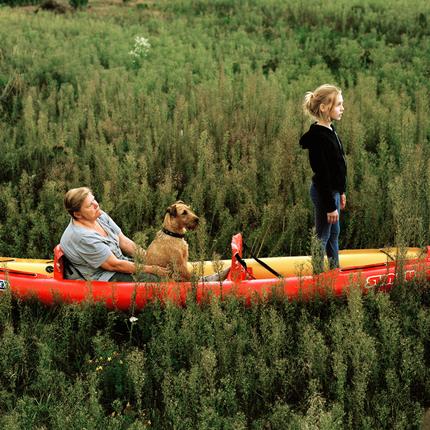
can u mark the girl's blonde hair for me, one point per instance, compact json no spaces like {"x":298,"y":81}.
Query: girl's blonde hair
{"x":74,"y":198}
{"x":325,"y":94}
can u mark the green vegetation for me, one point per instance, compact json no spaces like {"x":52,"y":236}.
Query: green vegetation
{"x":358,"y":363}
{"x":78,"y":3}
{"x":210,"y":113}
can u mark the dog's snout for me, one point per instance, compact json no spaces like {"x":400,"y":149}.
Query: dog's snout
{"x":194,"y":222}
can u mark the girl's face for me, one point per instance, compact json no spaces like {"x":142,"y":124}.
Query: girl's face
{"x":337,"y":109}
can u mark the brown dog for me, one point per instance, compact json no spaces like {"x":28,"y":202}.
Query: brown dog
{"x":169,"y":248}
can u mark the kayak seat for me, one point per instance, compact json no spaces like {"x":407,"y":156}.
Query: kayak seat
{"x":63,"y":268}
{"x":70,"y":271}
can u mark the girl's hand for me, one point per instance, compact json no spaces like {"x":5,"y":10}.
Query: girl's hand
{"x":342,"y":201}
{"x":333,"y":217}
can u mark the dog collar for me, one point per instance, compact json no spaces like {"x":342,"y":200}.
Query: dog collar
{"x":171,"y":233}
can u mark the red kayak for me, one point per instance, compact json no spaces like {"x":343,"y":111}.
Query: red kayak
{"x":241,"y":282}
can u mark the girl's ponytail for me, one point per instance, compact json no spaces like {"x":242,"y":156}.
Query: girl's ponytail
{"x":307,"y":102}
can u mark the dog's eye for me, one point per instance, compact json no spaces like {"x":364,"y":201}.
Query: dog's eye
{"x":184,"y":213}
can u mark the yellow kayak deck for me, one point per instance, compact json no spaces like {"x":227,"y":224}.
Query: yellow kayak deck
{"x":285,"y":266}
{"x":44,"y":267}
{"x":302,"y":265}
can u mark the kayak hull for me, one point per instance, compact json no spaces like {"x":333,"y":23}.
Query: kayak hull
{"x":285,"y":266}
{"x":126,"y":296}
{"x":367,"y":270}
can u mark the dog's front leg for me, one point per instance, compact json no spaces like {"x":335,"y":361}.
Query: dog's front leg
{"x":180,"y":268}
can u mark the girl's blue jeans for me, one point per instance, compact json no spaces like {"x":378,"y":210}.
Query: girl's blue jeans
{"x":327,"y":233}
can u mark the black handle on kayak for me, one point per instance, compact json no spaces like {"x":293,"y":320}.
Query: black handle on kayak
{"x":266,"y":266}
{"x":243,"y":264}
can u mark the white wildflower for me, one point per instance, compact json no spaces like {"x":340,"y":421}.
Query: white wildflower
{"x":141,"y":48}
{"x":133,"y":319}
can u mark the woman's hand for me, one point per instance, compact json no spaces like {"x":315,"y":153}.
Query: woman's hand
{"x":157,"y":270}
{"x":333,"y":217}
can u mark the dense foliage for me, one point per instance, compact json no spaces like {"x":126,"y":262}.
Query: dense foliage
{"x":19,"y":2}
{"x":200,"y":100}
{"x":358,"y":363}
{"x":211,"y":113}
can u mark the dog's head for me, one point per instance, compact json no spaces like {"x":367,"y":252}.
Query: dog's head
{"x":180,"y":216}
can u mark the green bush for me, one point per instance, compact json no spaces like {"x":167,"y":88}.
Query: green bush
{"x":211,"y":115}
{"x":78,"y":4}
{"x":14,"y":3}
{"x":358,"y":362}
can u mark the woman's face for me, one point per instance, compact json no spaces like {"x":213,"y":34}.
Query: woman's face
{"x":90,"y":209}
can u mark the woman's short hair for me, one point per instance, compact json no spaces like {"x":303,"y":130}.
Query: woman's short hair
{"x":74,"y":198}
{"x":325,"y":94}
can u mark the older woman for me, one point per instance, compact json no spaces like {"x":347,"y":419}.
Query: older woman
{"x":96,"y":246}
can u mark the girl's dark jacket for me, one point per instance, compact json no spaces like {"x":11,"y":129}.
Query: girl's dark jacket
{"x":328,"y":163}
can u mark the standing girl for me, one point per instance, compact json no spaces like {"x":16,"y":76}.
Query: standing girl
{"x":327,"y":160}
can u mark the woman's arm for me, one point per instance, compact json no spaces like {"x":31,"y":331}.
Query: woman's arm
{"x":113,"y":264}
{"x":127,"y":246}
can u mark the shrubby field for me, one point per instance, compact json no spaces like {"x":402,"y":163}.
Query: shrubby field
{"x":150,"y":102}
{"x":211,"y":113}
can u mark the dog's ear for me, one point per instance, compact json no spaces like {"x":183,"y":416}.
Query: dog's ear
{"x":172,"y":210}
